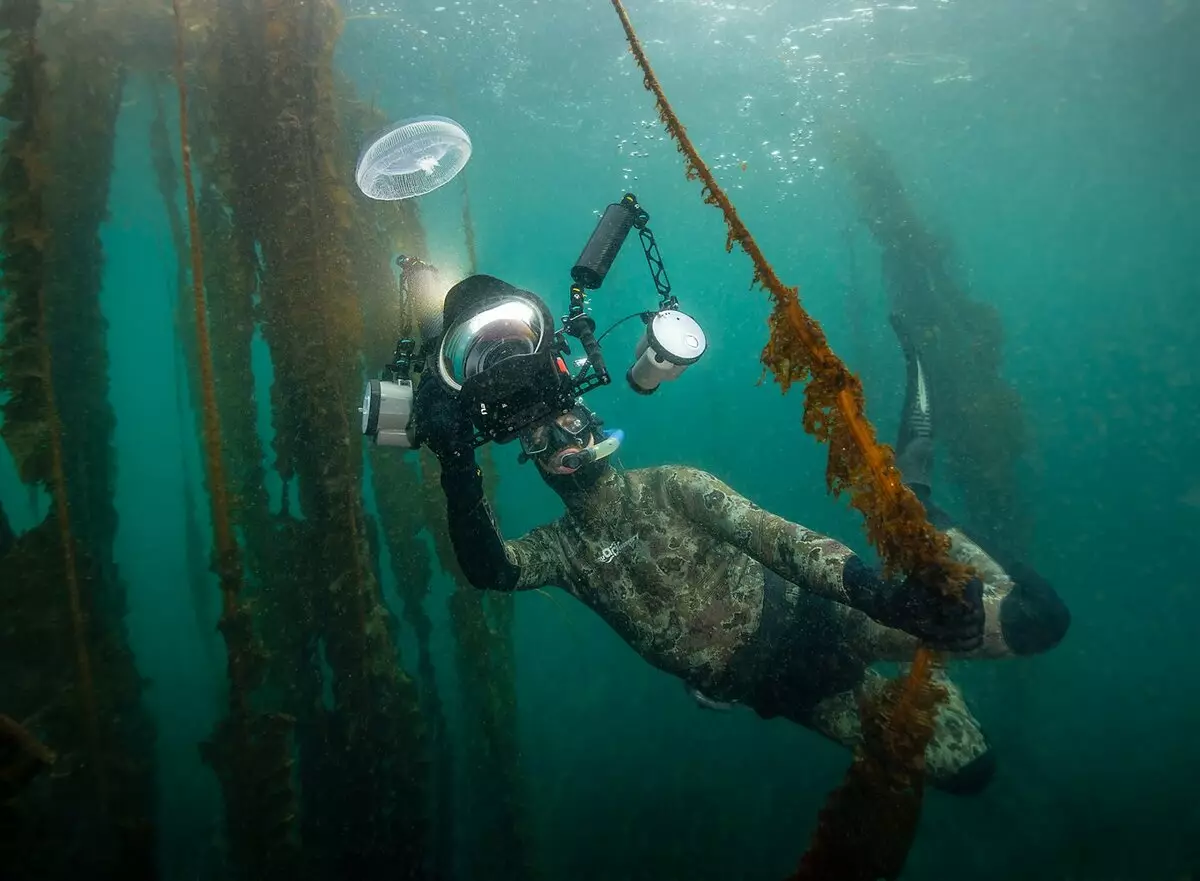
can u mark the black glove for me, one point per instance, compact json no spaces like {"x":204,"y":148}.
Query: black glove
{"x":443,"y":424}
{"x":944,"y":623}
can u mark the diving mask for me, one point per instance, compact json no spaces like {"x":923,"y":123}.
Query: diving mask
{"x":568,"y":442}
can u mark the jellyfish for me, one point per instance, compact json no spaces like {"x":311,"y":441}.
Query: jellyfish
{"x":412,"y":158}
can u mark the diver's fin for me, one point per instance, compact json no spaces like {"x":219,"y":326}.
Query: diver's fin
{"x":914,"y":443}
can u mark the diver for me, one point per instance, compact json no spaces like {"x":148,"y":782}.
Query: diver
{"x":743,"y":606}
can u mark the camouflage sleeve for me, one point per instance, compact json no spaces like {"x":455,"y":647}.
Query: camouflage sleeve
{"x":538,"y":557}
{"x":805,"y":558}
{"x":488,"y":561}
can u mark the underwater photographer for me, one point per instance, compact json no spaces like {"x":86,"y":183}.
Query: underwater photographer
{"x":743,"y":606}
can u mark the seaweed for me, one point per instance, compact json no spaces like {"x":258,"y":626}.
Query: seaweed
{"x":65,"y":657}
{"x":272,"y":113}
{"x":880,"y":798}
{"x":251,"y":751}
{"x":22,"y":758}
{"x":7,"y":536}
{"x":834,"y":410}
{"x":379,"y":231}
{"x":960,"y":339}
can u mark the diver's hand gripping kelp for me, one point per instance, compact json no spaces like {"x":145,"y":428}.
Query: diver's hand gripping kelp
{"x":827,"y":568}
{"x":868,"y":824}
{"x":945,"y":623}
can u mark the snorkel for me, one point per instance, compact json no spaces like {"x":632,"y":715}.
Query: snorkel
{"x":569,"y":463}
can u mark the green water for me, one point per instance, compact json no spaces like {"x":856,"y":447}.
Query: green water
{"x":1055,"y":145}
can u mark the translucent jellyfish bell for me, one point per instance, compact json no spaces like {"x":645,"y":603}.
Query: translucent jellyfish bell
{"x":412,"y":158}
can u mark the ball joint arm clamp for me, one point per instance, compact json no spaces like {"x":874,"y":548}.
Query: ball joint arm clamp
{"x":590,"y":271}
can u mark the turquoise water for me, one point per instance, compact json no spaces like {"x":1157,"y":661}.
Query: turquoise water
{"x":1053,"y":144}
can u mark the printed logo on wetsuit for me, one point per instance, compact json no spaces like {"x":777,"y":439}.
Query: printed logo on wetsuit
{"x":614,"y":550}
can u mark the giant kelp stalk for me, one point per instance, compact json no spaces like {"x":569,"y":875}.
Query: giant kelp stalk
{"x":834,"y":412}
{"x":272,"y":113}
{"x":65,"y":665}
{"x":86,"y":99}
{"x":879,"y":801}
{"x":382,"y":230}
{"x":251,"y":750}
{"x":8,"y":537}
{"x":485,"y":656}
{"x":960,"y":340}
{"x":487,"y":677}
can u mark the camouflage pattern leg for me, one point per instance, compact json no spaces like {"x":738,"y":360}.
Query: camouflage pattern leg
{"x":958,"y":759}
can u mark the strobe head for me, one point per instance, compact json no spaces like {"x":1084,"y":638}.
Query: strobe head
{"x":387,"y":413}
{"x":672,"y":342}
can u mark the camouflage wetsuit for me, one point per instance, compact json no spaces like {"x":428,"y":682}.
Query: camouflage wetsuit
{"x":740,"y":604}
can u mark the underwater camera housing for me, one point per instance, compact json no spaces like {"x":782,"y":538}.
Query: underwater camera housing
{"x":516,"y":392}
{"x":505,"y":363}
{"x":388,"y":401}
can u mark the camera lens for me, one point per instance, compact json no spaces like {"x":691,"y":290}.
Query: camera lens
{"x":489,"y":353}
{"x":480,"y":341}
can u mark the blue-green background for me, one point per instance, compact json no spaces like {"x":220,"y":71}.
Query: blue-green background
{"x":1053,"y":143}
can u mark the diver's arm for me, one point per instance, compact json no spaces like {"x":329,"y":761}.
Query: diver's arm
{"x":473,"y":533}
{"x":442,"y":424}
{"x":489,"y":562}
{"x":823,"y":566}
{"x":813,"y":561}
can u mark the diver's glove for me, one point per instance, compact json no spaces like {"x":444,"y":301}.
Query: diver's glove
{"x":443,"y":425}
{"x":945,"y":623}
{"x":916,"y":606}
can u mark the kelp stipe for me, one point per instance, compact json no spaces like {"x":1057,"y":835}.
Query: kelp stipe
{"x":880,"y":797}
{"x":250,"y":751}
{"x":64,"y":603}
{"x":960,"y":337}
{"x":32,"y":426}
{"x":280,"y":160}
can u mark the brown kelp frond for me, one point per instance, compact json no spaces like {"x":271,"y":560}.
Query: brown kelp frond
{"x":879,"y":799}
{"x":227,"y":562}
{"x":834,"y":412}
{"x":251,"y":750}
{"x":252,"y":756}
{"x":960,"y":339}
{"x":281,"y":170}
{"x":24,"y":174}
{"x":22,"y":758}
{"x":59,"y":583}
{"x":868,"y":824}
{"x":32,"y":426}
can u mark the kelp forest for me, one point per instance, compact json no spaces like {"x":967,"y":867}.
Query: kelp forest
{"x":960,"y":337}
{"x":335,"y":756}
